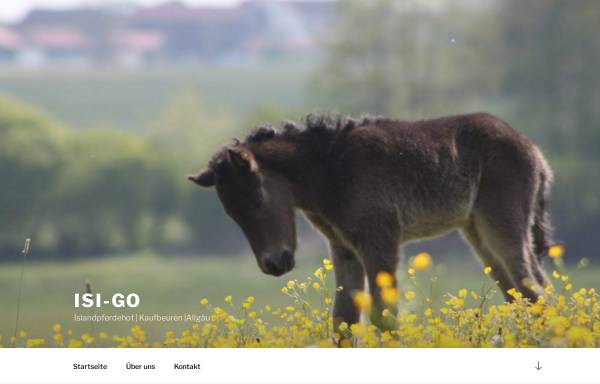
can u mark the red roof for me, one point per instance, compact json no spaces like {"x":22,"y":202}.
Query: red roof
{"x":138,"y":40}
{"x":58,"y":38}
{"x":9,"y":39}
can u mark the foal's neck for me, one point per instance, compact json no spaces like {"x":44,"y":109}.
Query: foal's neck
{"x":297,"y":165}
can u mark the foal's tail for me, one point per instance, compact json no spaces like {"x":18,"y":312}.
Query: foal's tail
{"x":542,"y":228}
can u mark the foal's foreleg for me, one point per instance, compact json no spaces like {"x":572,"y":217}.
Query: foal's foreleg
{"x":382,"y":260}
{"x":349,"y":278}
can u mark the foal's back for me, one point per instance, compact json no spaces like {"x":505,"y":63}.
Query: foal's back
{"x":430,"y":171}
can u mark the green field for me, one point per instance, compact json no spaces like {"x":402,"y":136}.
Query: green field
{"x":132,"y":99}
{"x":165,"y":286}
{"x":175,"y":285}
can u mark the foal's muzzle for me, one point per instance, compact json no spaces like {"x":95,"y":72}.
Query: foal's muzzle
{"x":278,"y":263}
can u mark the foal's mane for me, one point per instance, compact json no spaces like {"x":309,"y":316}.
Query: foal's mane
{"x":315,"y":126}
{"x":315,"y":134}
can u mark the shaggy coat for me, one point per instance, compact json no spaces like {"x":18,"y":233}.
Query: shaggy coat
{"x":373,"y":184}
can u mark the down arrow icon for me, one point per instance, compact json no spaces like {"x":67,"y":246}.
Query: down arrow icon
{"x":538,"y":366}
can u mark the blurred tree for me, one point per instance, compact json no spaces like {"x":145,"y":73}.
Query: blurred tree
{"x":551,"y":56}
{"x":77,"y":194}
{"x":115,"y":194}
{"x":268,"y":114}
{"x":397,"y":57}
{"x":187,"y":131}
{"x":31,"y":157}
{"x":362,"y":56}
{"x":186,"y":135}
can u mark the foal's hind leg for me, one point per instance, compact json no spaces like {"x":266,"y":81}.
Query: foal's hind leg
{"x":499,"y":268}
{"x":503,"y":214}
{"x":539,"y":271}
{"x":508,"y":240}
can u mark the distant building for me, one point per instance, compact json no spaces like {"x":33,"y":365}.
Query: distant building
{"x":61,"y":45}
{"x":133,"y":48}
{"x":10,"y":43}
{"x":168,"y":32}
{"x":201,"y":33}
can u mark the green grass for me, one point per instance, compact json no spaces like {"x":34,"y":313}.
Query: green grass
{"x":168,"y":286}
{"x":130,"y":99}
{"x":165,"y":286}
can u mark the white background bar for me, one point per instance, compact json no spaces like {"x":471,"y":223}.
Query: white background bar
{"x":304,"y":365}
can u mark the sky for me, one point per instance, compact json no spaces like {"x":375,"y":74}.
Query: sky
{"x":12,"y":10}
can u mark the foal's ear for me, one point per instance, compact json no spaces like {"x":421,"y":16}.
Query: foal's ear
{"x":204,"y":179}
{"x":243,"y":159}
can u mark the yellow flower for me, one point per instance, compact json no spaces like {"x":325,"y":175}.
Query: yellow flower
{"x":556,"y":251}
{"x":58,"y":339}
{"x":74,"y":343}
{"x":555,"y":274}
{"x":568,"y":287}
{"x":327,"y":264}
{"x":487,"y":270}
{"x":455,"y":302}
{"x":411,"y":271}
{"x":362,"y":301}
{"x":290,"y":284}
{"x":514,"y":293}
{"x":553,"y":319}
{"x":389,"y":295}
{"x":319,"y":274}
{"x":34,"y":343}
{"x":580,"y":337}
{"x":422,"y":261}
{"x":384,"y":279}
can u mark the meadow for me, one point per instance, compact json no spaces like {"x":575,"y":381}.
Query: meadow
{"x":130,"y":99}
{"x":221,"y":288}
